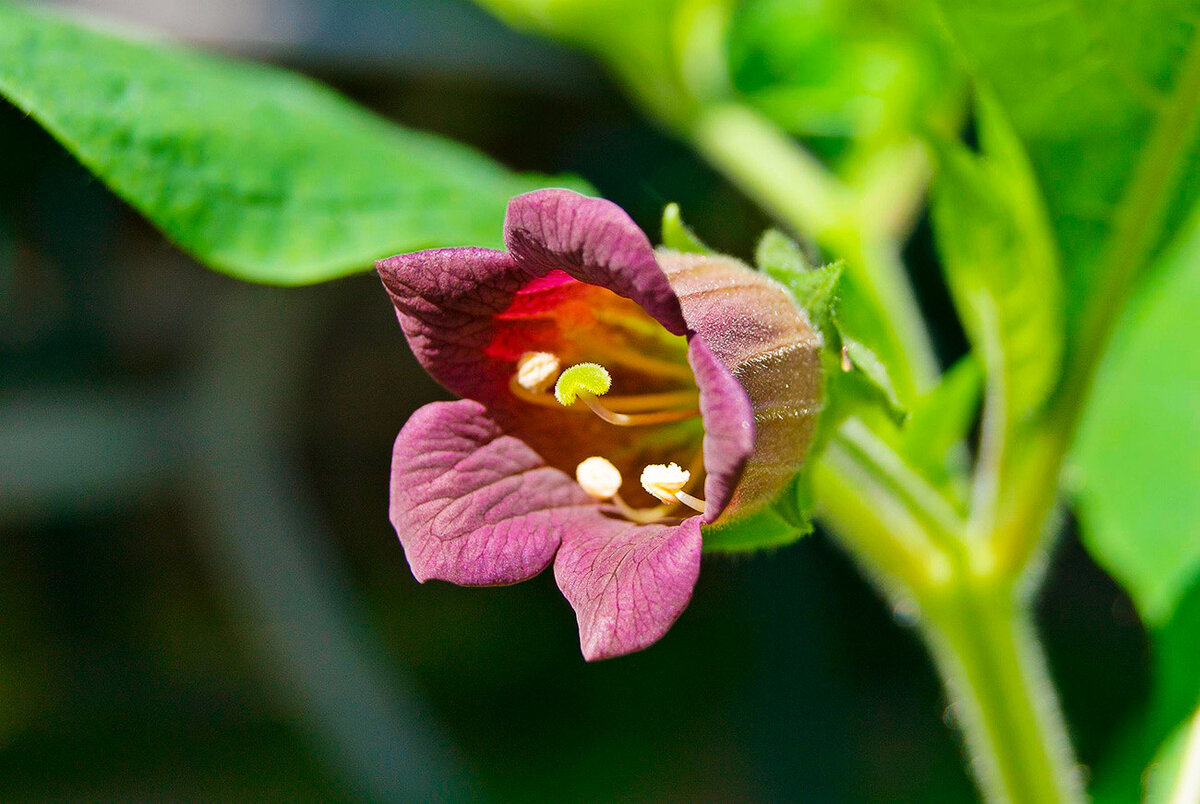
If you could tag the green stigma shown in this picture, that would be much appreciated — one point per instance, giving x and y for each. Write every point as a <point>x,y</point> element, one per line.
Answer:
<point>582,378</point>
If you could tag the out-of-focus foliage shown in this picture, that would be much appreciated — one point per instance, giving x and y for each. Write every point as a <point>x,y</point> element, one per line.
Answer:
<point>669,51</point>
<point>1128,768</point>
<point>1137,458</point>
<point>934,437</point>
<point>839,69</point>
<point>259,173</point>
<point>1085,85</point>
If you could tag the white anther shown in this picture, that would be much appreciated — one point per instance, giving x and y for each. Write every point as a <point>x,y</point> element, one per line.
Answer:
<point>664,481</point>
<point>537,371</point>
<point>598,477</point>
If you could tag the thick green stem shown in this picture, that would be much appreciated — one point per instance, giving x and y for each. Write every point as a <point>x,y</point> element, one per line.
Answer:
<point>982,639</point>
<point>973,616</point>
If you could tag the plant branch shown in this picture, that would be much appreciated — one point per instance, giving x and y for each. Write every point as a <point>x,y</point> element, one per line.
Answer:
<point>944,525</point>
<point>874,526</point>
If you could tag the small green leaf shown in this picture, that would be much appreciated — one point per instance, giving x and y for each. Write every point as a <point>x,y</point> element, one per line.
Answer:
<point>1134,464</point>
<point>815,290</point>
<point>1000,262</point>
<point>933,437</point>
<point>866,361</point>
<point>854,373</point>
<point>780,256</point>
<point>787,520</point>
<point>677,236</point>
<point>257,172</point>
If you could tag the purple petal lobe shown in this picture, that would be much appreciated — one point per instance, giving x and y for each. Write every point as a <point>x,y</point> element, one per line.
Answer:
<point>728,427</point>
<point>594,241</point>
<point>473,505</point>
<point>627,583</point>
<point>446,300</point>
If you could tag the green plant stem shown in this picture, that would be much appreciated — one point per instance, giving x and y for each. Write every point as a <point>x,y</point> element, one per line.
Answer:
<point>797,188</point>
<point>983,643</point>
<point>875,528</point>
<point>972,615</point>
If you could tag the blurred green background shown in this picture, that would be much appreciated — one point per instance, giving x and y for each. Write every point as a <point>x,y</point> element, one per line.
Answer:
<point>201,596</point>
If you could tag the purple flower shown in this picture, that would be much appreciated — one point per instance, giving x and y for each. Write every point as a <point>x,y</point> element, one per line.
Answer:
<point>714,380</point>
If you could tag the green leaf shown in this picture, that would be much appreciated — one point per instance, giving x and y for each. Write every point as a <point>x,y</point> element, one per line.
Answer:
<point>1134,464</point>
<point>817,67</point>
<point>933,437</point>
<point>855,376</point>
<point>787,520</point>
<point>257,172</point>
<point>781,257</point>
<point>677,236</point>
<point>1000,262</point>
<point>1105,97</point>
<point>669,52</point>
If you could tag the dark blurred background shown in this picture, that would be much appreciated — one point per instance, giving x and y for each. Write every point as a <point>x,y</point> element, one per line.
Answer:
<point>201,596</point>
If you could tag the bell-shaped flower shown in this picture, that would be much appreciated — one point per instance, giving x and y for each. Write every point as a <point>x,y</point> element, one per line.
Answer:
<point>615,402</point>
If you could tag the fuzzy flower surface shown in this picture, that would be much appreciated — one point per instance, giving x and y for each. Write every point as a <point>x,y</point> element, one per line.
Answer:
<point>584,360</point>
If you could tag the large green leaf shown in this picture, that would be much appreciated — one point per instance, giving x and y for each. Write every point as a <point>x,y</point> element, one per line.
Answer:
<point>1136,461</point>
<point>1134,475</point>
<point>1104,95</point>
<point>258,172</point>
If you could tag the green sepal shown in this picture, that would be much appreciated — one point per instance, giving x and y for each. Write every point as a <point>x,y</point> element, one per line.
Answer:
<point>678,236</point>
<point>854,373</point>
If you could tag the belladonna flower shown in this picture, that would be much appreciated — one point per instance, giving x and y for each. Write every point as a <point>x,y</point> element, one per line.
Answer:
<point>616,401</point>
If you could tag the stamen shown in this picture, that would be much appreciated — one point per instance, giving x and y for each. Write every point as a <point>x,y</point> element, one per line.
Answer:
<point>636,419</point>
<point>537,371</point>
<point>598,477</point>
<point>582,378</point>
<point>666,482</point>
<point>695,503</point>
<point>587,381</point>
<point>602,481</point>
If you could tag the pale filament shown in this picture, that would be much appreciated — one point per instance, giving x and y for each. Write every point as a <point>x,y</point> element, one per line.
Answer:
<point>620,403</point>
<point>635,419</point>
<point>695,503</point>
<point>650,365</point>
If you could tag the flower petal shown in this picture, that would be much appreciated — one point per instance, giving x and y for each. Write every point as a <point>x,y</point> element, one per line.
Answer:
<point>627,583</point>
<point>728,427</point>
<point>753,327</point>
<point>446,300</point>
<point>594,241</point>
<point>473,505</point>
